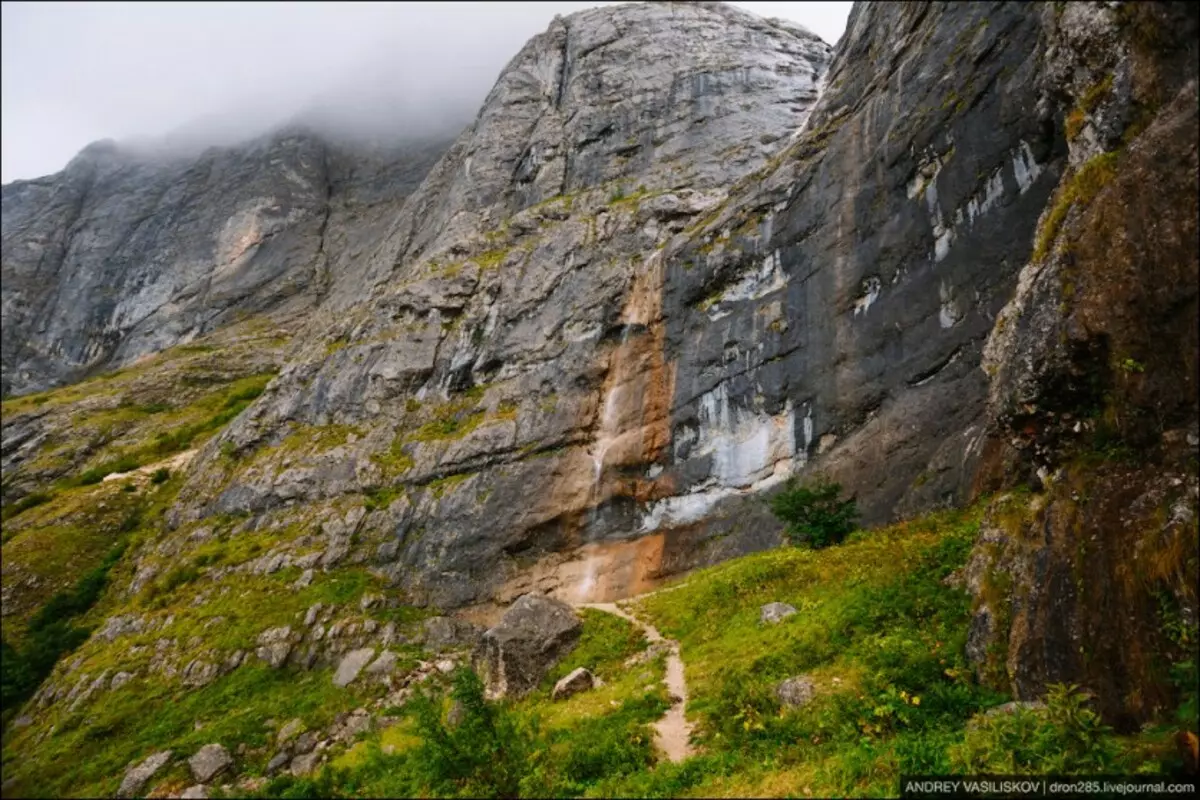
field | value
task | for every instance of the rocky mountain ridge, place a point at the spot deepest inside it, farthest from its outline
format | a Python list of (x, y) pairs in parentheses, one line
[(681, 255)]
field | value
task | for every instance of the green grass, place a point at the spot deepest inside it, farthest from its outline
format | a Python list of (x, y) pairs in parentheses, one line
[(879, 631), (1080, 189)]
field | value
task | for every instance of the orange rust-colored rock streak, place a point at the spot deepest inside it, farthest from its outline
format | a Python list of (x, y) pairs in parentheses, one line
[(632, 427)]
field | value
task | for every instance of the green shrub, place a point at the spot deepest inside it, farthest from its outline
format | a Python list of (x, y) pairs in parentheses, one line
[(1066, 737), (815, 513), (484, 755), (161, 475)]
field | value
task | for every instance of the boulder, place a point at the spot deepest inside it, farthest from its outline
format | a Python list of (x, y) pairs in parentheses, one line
[(775, 612), (384, 664), (289, 731), (275, 645), (197, 792), (795, 692), (135, 779), (533, 635), (304, 764), (278, 762), (209, 762), (305, 742), (351, 664), (580, 680)]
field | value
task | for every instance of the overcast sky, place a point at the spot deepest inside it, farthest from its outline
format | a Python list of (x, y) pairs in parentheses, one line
[(74, 73)]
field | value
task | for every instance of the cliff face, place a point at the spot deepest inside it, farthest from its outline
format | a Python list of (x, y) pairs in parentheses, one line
[(1093, 394), (123, 254), (681, 254), (610, 293), (507, 374)]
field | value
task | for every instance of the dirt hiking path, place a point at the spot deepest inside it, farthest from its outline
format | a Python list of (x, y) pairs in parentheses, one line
[(673, 732)]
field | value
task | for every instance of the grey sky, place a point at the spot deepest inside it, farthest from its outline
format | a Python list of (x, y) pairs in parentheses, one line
[(73, 73)]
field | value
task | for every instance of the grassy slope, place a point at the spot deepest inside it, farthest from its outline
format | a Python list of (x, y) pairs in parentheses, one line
[(881, 633)]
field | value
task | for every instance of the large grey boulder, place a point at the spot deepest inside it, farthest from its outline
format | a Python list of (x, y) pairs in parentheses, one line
[(209, 762), (136, 778), (532, 636)]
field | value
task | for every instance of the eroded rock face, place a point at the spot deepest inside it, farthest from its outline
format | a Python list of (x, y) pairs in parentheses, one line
[(125, 253), (532, 636), (602, 328), (1093, 400)]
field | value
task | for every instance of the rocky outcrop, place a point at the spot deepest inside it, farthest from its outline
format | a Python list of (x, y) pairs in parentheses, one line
[(508, 333), (532, 636), (138, 776), (123, 253), (1091, 579)]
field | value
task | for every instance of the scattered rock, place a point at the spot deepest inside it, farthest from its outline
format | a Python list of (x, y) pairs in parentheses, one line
[(289, 731), (795, 692), (649, 654), (445, 666), (23, 721), (197, 792), (775, 612), (311, 615), (305, 579), (580, 680), (351, 664), (209, 761), (277, 762), (120, 679), (135, 779), (199, 673), (275, 645), (534, 633), (304, 764), (306, 742), (356, 723), (442, 633), (384, 664)]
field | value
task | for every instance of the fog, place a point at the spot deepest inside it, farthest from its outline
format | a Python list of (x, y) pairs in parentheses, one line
[(198, 74)]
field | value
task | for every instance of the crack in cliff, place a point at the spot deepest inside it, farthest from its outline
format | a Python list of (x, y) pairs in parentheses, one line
[(324, 276)]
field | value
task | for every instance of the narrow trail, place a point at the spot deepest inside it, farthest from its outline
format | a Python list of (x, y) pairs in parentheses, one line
[(672, 732)]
